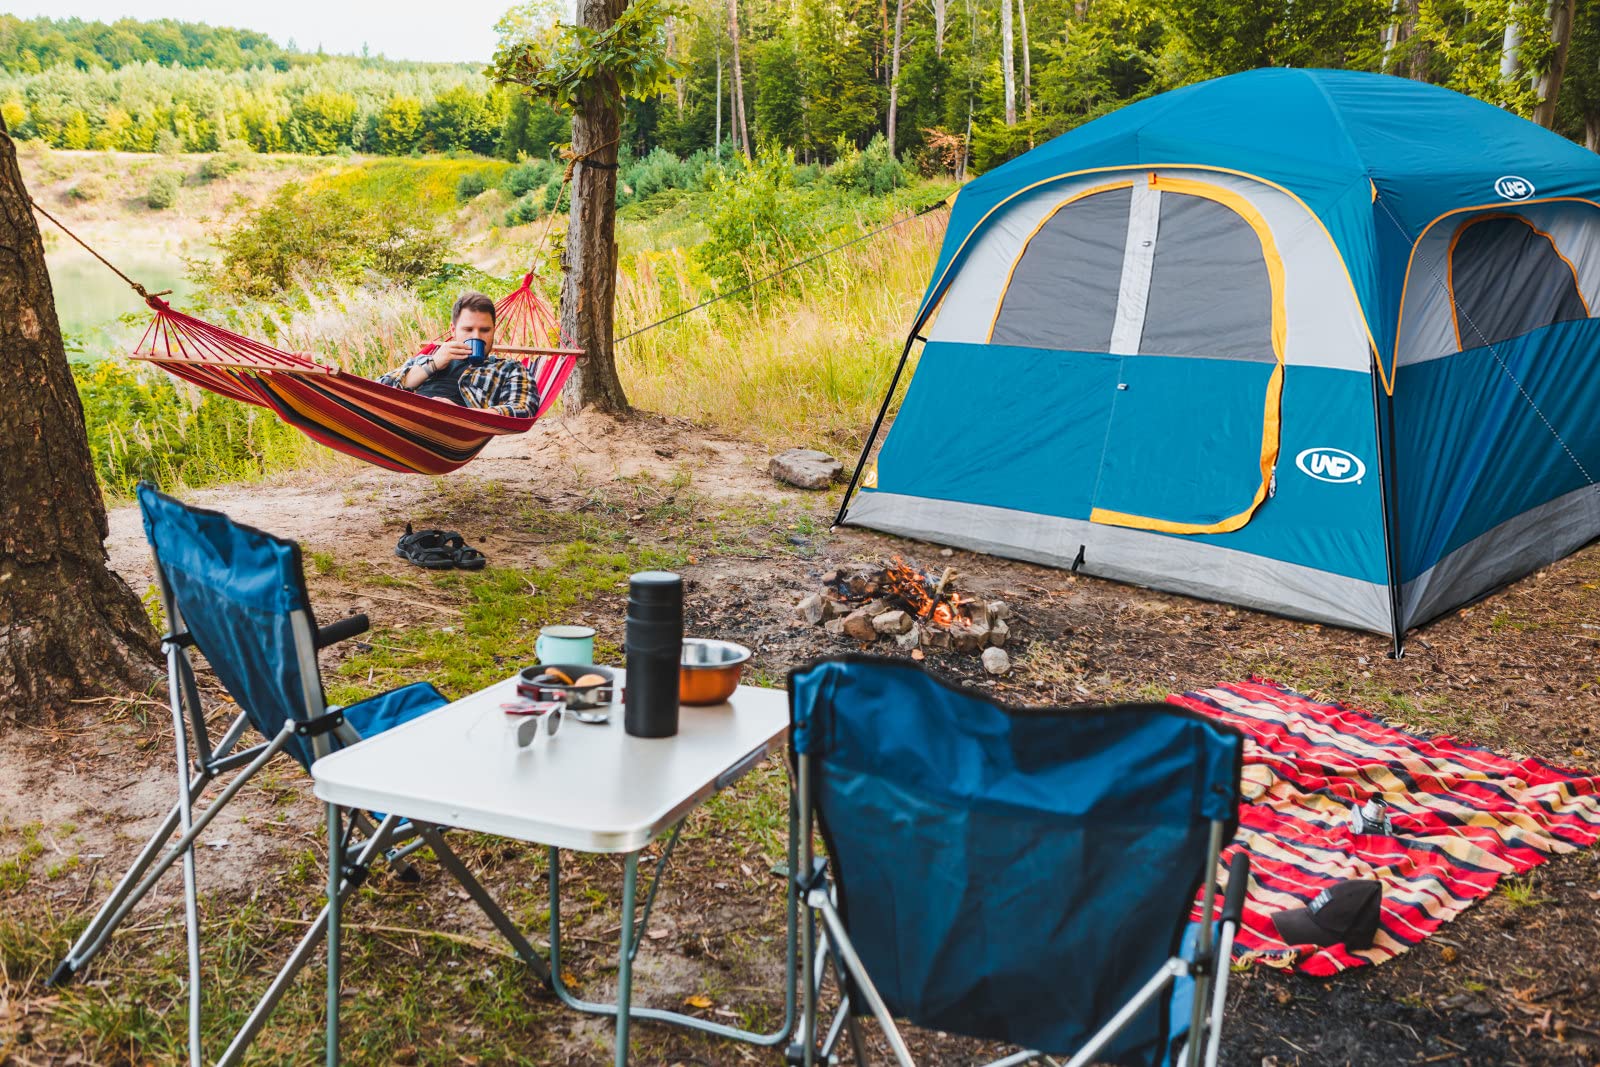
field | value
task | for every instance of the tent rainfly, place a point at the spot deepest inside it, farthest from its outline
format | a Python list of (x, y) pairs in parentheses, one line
[(1313, 342)]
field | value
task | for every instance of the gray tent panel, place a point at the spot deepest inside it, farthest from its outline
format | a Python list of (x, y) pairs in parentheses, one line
[(1175, 564), (1210, 294), (1063, 292), (1506, 279)]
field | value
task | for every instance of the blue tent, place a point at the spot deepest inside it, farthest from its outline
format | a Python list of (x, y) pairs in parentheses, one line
[(1314, 342)]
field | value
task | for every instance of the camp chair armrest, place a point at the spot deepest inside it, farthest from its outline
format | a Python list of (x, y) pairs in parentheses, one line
[(342, 630), (1238, 882)]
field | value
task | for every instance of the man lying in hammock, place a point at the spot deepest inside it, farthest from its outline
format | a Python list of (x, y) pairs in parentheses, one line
[(450, 373)]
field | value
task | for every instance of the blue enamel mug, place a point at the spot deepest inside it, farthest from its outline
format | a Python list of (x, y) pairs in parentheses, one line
[(480, 352), (565, 644)]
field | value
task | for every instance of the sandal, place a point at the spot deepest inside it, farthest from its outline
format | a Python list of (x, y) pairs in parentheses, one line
[(463, 555), (425, 548)]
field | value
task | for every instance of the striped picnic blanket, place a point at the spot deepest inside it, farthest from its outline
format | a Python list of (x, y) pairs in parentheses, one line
[(1462, 816)]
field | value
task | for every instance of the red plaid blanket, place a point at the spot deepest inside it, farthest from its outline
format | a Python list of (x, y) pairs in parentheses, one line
[(1462, 818)]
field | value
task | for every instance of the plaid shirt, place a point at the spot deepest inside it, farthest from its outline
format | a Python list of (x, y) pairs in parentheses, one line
[(500, 385)]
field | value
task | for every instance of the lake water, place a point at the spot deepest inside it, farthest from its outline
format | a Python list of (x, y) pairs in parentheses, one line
[(92, 302)]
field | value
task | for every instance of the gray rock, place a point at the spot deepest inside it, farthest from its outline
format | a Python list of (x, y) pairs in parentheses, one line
[(832, 609), (996, 661), (834, 627), (936, 637), (910, 639), (999, 609), (805, 467), (875, 607), (810, 609), (892, 622), (858, 624), (999, 634)]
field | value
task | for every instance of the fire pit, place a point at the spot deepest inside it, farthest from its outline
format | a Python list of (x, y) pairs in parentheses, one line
[(902, 603)]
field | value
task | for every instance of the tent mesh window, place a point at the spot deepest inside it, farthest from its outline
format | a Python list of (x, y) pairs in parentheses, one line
[(1507, 278), (1063, 289), (1210, 294)]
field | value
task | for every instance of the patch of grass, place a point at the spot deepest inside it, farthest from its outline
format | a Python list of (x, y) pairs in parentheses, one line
[(502, 610), (14, 869), (1522, 893)]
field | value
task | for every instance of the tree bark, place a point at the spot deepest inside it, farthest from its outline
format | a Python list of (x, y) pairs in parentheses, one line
[(1549, 84), (1027, 58), (1418, 61), (1007, 48), (741, 128), (894, 69), (1510, 46), (589, 261), (938, 29), (69, 625)]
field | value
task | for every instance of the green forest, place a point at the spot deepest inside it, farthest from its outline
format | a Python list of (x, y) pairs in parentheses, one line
[(954, 85)]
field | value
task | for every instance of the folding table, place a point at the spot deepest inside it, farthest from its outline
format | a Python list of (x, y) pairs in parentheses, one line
[(590, 788)]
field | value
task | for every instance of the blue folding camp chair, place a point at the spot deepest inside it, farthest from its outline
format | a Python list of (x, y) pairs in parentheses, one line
[(1019, 875), (238, 596)]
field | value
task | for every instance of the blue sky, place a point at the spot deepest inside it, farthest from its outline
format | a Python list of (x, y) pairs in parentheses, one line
[(461, 30)]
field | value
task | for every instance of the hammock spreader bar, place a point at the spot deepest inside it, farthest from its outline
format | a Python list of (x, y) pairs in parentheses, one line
[(388, 427)]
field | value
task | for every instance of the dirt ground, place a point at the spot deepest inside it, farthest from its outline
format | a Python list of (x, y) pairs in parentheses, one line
[(1516, 980)]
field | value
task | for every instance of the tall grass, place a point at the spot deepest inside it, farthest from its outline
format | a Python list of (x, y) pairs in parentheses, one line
[(807, 365)]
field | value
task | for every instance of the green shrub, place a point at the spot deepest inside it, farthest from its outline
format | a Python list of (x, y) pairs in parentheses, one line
[(526, 210), (87, 189), (324, 233), (168, 143), (472, 183), (556, 195), (234, 157), (758, 220), (526, 177), (163, 191), (873, 171)]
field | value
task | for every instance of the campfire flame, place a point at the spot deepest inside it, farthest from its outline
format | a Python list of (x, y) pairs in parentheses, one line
[(922, 595)]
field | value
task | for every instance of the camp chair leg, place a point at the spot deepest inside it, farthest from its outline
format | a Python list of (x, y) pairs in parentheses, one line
[(301, 955), (1172, 969), (1202, 982), (840, 942), (191, 905), (475, 890)]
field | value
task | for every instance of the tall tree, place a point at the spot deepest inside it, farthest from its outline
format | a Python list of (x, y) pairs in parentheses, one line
[(1548, 84), (894, 69), (1007, 63), (741, 128), (938, 28), (1027, 57), (68, 624)]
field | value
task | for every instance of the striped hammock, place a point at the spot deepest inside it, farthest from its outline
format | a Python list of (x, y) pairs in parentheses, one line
[(388, 427)]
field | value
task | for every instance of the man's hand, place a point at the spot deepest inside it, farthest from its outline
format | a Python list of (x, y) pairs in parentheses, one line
[(447, 353)]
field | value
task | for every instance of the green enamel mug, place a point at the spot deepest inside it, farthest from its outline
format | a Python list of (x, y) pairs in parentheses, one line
[(565, 644)]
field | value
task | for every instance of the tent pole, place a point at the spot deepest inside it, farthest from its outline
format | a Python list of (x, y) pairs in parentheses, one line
[(877, 424)]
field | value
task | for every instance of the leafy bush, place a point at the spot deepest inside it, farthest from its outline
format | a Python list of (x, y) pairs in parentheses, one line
[(163, 192), (327, 233), (556, 195), (873, 171), (526, 210), (526, 177), (758, 220), (88, 188), (234, 157), (657, 172), (472, 183), (168, 144)]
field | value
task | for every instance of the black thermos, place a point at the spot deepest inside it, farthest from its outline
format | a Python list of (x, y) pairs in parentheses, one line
[(654, 644)]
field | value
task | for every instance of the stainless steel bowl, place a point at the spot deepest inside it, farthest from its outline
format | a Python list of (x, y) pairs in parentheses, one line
[(710, 669)]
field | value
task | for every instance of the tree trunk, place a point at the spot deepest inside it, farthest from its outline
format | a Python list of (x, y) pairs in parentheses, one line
[(589, 261), (1510, 46), (1007, 47), (1391, 35), (1027, 58), (1417, 62), (741, 129), (719, 96), (1591, 132), (938, 29), (894, 68), (678, 83), (1549, 83), (68, 624)]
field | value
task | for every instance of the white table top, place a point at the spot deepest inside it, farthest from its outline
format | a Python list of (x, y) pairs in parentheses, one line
[(591, 787)]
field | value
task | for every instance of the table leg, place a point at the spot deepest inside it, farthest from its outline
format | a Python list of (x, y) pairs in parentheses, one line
[(630, 882), (335, 872)]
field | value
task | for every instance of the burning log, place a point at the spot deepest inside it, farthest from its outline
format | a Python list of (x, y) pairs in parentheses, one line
[(898, 601)]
